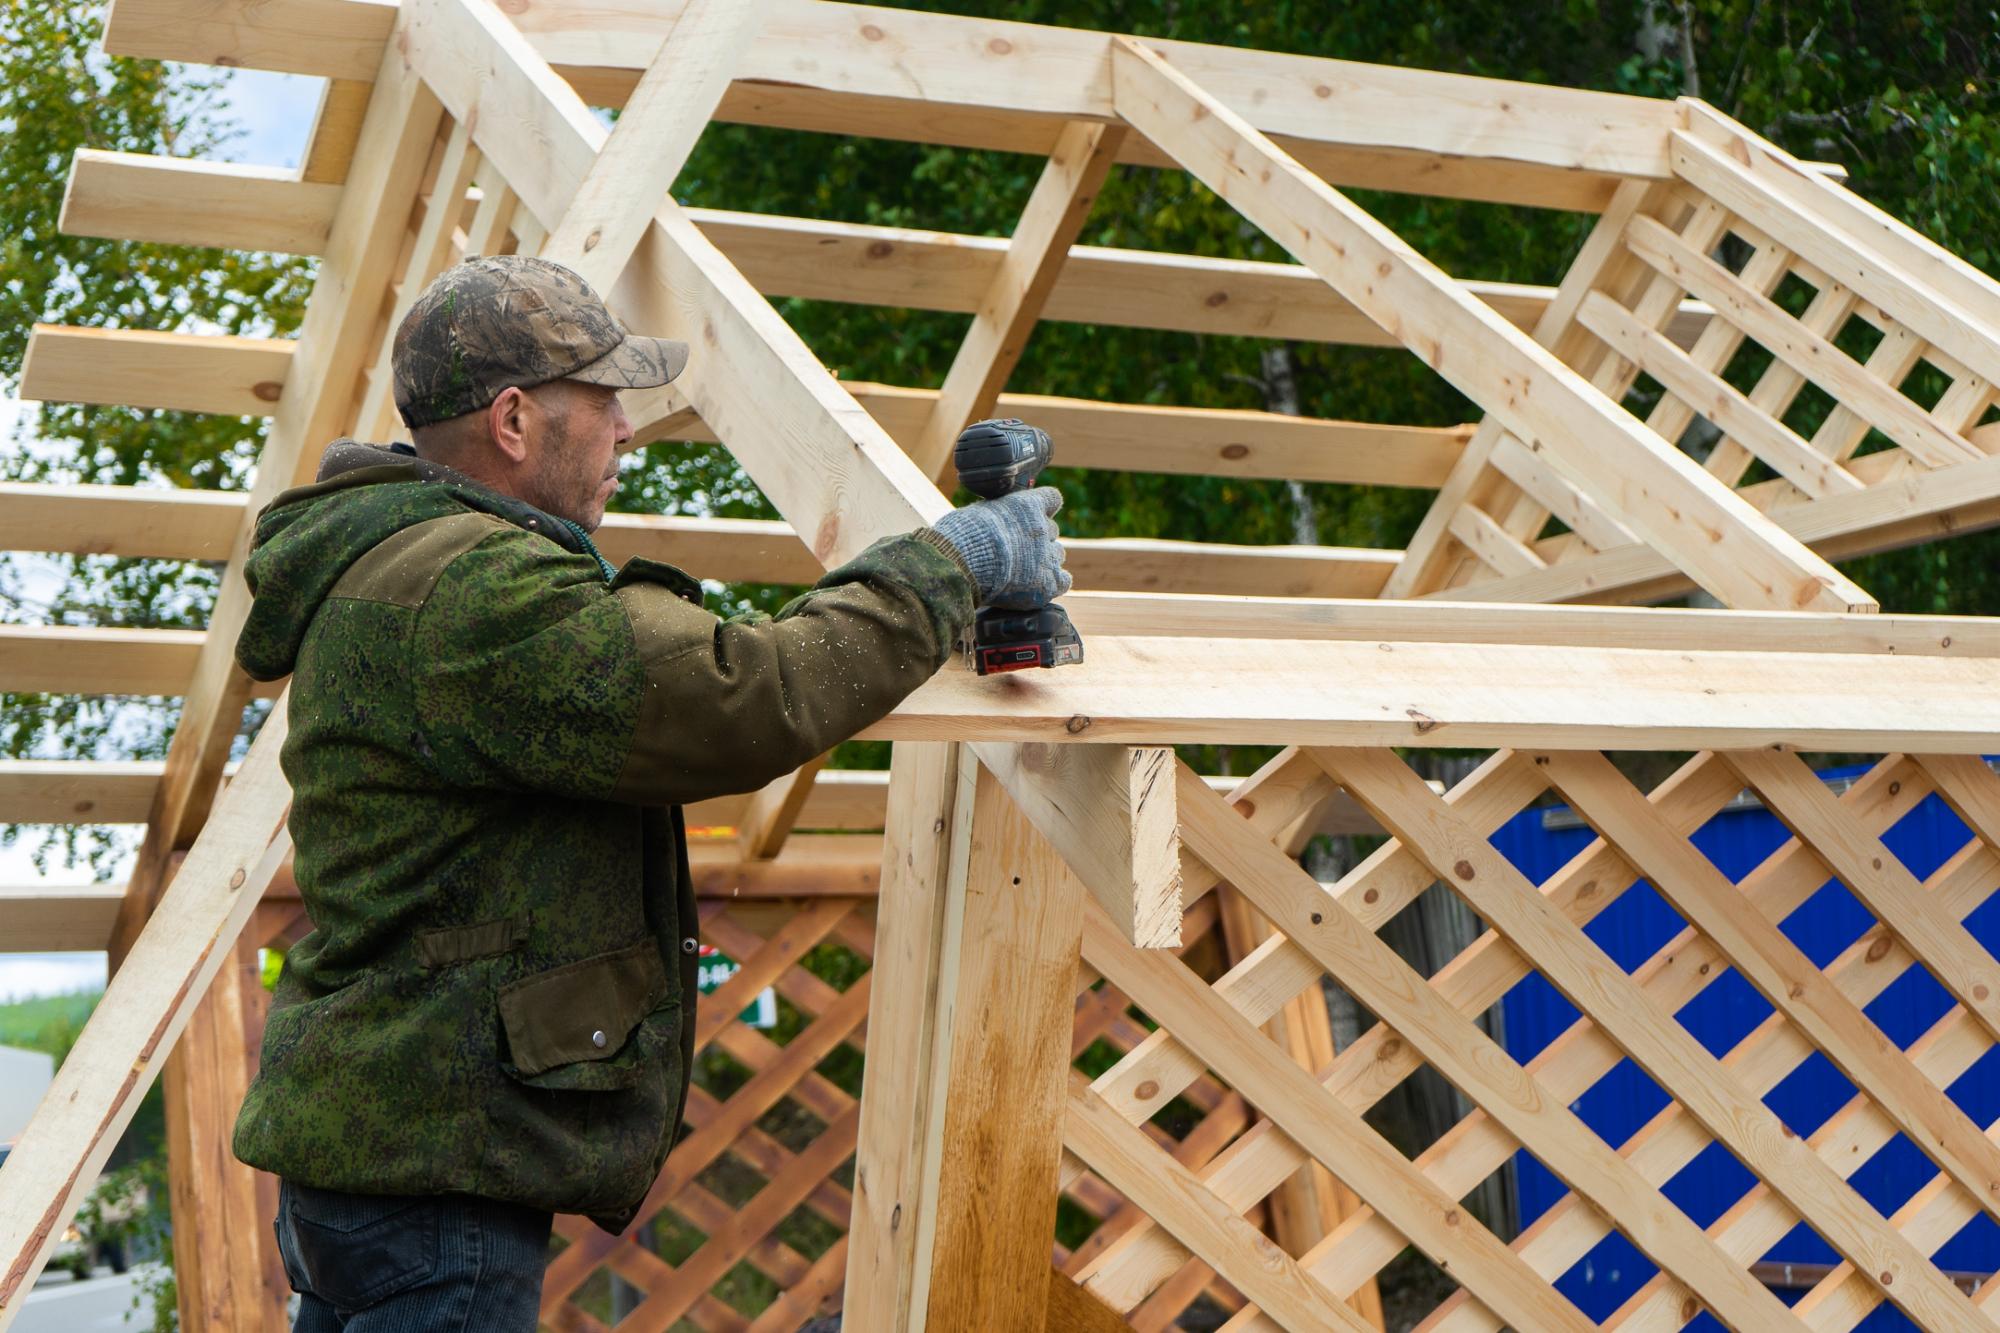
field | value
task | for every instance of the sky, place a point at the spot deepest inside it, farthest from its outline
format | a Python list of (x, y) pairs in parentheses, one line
[(277, 110)]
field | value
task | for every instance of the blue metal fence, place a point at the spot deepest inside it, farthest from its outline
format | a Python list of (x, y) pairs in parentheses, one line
[(1540, 841)]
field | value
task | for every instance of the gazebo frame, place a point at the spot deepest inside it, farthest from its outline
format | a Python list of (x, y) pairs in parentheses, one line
[(1046, 871)]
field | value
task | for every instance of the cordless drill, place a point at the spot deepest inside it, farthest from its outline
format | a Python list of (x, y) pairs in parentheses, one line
[(996, 458)]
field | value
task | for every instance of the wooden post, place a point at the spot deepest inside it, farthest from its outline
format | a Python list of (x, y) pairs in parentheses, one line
[(975, 984), (226, 1267)]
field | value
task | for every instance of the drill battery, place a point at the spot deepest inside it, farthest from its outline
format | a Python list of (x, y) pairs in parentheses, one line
[(1016, 640)]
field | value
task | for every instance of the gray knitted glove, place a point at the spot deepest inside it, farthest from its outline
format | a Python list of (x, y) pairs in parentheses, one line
[(1010, 546)]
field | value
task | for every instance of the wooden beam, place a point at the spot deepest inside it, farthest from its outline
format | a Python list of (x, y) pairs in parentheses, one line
[(1897, 509), (244, 376), (919, 932), (187, 201), (118, 195), (77, 791), (137, 367), (676, 95), (1137, 691), (41, 918), (996, 84), (1012, 305), (148, 1002), (1735, 552), (1110, 811), (336, 129)]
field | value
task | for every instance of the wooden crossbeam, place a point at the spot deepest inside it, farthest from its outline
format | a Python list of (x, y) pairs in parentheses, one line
[(987, 83), (1735, 552), (40, 918), (1713, 1094), (187, 201), (1012, 305), (770, 813), (119, 196), (205, 373)]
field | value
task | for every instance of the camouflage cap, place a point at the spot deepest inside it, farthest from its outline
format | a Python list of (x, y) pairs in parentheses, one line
[(512, 321)]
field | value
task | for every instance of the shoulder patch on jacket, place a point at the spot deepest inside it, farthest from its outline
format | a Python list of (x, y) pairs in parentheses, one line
[(403, 569)]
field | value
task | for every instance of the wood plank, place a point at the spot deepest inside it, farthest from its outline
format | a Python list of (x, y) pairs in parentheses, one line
[(1075, 1310), (1710, 396), (187, 201), (1735, 552), (825, 260), (1482, 535), (1931, 311), (429, 255), (145, 1007), (1110, 811), (47, 918), (998, 84), (1713, 1094), (1011, 997), (1177, 999), (1344, 945), (335, 131), (1807, 352), (1012, 304), (1172, 1195), (1139, 691), (635, 169), (1903, 511), (216, 373), (402, 120)]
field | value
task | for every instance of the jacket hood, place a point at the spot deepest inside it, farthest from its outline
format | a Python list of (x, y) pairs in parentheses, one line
[(308, 537)]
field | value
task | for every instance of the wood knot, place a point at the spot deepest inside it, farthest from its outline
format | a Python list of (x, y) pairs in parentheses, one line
[(1425, 722), (1317, 919), (826, 537), (236, 880), (1463, 870), (1878, 949), (1451, 1218), (1322, 90), (267, 390), (1886, 1277), (1077, 725), (1371, 895), (590, 241), (1146, 1091), (871, 32), (1689, 1309), (1391, 1049), (1216, 299), (1000, 46), (881, 250), (1235, 451), (1980, 992)]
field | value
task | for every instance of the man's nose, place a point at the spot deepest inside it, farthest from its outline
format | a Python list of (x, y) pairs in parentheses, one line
[(620, 423)]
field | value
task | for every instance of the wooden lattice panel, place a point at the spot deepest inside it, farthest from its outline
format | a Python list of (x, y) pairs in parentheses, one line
[(754, 1202), (1801, 1170), (1834, 372)]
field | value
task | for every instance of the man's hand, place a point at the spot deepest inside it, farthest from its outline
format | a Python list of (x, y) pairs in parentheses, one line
[(1011, 547)]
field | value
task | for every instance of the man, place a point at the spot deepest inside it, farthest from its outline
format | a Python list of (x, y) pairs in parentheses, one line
[(492, 731)]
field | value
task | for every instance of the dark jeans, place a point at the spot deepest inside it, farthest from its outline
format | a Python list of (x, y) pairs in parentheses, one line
[(370, 1263)]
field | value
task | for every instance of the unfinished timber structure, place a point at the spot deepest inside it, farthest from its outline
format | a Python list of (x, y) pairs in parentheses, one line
[(1038, 874)]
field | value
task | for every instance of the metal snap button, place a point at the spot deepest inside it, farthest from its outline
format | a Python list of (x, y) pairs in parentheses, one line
[(689, 945), (597, 1039)]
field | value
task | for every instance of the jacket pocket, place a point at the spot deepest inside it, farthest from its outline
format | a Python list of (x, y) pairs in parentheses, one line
[(572, 1027)]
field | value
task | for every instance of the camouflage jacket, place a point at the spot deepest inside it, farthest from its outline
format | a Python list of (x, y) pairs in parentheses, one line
[(490, 738)]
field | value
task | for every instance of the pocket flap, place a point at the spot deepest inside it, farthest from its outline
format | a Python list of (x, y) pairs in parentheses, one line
[(582, 1011)]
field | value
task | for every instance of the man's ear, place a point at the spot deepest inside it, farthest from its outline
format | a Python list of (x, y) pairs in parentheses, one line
[(507, 426)]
